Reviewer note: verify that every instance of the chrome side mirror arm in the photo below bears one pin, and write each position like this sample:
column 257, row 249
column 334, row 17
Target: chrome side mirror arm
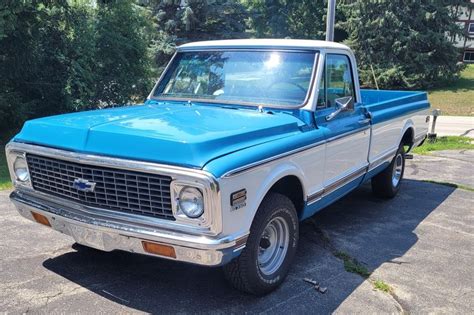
column 334, row 114
column 344, row 104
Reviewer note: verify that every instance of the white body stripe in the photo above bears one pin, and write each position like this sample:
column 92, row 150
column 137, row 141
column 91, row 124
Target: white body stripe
column 386, row 136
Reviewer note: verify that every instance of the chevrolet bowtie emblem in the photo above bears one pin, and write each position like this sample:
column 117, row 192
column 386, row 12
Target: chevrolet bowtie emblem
column 83, row 185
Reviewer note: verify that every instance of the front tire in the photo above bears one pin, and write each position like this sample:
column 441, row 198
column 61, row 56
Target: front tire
column 387, row 183
column 265, row 261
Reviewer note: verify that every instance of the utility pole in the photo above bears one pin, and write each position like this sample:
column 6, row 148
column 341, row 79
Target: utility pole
column 330, row 20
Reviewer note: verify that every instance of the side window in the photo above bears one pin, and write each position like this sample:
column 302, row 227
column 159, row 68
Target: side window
column 339, row 79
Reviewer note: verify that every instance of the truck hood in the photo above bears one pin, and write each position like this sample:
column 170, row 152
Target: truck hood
column 168, row 133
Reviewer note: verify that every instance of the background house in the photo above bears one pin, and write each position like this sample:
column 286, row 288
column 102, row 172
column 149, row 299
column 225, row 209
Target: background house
column 466, row 42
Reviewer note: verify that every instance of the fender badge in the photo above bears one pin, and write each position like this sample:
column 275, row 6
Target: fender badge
column 238, row 199
column 83, row 185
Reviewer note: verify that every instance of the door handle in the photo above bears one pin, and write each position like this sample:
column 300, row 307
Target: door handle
column 364, row 121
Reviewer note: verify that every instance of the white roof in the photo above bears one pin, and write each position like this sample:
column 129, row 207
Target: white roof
column 263, row 43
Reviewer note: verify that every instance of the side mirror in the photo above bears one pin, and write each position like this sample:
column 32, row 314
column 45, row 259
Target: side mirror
column 344, row 104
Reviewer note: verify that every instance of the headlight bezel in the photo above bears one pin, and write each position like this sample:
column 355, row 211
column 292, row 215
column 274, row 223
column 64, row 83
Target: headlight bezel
column 176, row 187
column 12, row 157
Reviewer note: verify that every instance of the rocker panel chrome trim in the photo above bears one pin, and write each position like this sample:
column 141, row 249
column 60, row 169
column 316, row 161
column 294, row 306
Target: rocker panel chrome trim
column 380, row 160
column 335, row 185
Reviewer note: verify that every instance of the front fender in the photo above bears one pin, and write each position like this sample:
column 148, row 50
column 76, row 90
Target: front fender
column 287, row 168
column 257, row 182
column 258, row 168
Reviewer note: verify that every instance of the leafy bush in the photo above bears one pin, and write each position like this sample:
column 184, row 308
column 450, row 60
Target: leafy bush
column 59, row 56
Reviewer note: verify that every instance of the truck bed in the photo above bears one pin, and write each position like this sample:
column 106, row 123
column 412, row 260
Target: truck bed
column 385, row 105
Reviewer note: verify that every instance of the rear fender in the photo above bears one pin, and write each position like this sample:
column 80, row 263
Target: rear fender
column 408, row 124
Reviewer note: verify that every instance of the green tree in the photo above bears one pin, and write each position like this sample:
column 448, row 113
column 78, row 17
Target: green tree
column 303, row 19
column 123, row 67
column 179, row 22
column 405, row 42
column 81, row 55
column 58, row 56
column 33, row 67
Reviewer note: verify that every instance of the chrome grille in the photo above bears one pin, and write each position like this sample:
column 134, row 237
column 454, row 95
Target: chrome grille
column 115, row 189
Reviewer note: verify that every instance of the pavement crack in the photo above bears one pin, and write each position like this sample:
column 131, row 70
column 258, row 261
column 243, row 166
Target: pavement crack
column 52, row 296
column 17, row 284
column 352, row 265
column 397, row 262
column 433, row 154
column 466, row 132
column 401, row 306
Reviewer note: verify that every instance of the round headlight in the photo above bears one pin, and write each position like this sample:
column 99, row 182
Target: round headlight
column 21, row 169
column 191, row 202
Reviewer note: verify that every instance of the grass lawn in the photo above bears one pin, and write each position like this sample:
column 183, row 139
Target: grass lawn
column 4, row 175
column 5, row 182
column 445, row 143
column 457, row 99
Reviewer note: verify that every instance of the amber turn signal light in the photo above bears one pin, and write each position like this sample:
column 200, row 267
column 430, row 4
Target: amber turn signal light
column 159, row 249
column 41, row 219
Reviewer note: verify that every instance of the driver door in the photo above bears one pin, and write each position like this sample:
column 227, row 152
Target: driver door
column 347, row 131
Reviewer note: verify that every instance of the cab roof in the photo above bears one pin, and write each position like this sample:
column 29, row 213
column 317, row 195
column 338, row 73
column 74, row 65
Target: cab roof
column 263, row 43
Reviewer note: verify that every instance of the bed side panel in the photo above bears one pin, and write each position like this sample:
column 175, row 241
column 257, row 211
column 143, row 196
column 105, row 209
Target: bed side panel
column 393, row 112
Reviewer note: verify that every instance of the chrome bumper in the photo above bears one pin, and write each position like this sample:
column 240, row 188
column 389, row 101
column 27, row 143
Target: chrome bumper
column 108, row 235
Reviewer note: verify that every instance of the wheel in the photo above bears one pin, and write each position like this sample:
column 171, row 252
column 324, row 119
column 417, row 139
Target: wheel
column 387, row 183
column 265, row 261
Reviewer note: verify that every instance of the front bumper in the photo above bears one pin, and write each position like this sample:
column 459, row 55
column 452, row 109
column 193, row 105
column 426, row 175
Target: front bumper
column 107, row 234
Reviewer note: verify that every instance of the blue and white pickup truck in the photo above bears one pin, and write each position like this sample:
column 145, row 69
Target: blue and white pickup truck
column 237, row 143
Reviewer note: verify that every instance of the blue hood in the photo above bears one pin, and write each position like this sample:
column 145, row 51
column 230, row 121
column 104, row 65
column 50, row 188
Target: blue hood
column 176, row 134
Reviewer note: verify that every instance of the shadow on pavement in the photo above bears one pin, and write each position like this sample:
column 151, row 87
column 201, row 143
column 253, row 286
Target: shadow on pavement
column 372, row 230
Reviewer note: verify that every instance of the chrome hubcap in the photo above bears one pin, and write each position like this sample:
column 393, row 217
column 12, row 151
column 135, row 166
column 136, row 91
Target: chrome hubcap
column 397, row 170
column 273, row 246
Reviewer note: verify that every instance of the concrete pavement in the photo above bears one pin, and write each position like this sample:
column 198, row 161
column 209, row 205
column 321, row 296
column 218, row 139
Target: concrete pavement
column 420, row 243
column 455, row 126
column 452, row 166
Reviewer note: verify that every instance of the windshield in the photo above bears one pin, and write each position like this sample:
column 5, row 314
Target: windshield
column 249, row 77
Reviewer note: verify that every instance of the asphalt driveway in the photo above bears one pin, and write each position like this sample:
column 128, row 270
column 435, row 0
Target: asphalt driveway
column 420, row 244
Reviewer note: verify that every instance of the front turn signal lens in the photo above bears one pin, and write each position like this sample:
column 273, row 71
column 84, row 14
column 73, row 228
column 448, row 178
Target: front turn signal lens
column 41, row 219
column 159, row 249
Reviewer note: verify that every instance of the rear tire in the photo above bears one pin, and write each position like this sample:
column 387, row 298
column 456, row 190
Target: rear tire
column 265, row 261
column 387, row 183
